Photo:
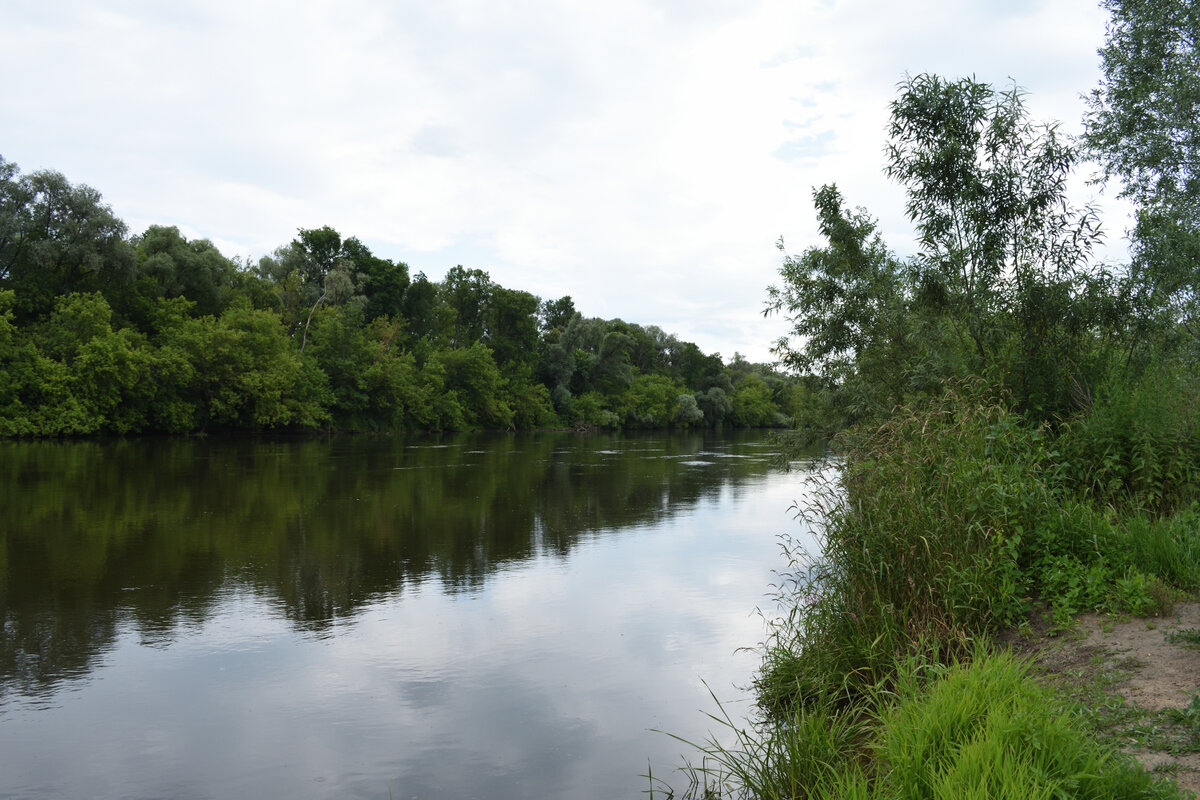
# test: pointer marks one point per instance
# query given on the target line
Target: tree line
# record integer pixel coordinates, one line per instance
(105, 332)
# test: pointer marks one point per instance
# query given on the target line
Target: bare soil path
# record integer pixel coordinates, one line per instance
(1138, 677)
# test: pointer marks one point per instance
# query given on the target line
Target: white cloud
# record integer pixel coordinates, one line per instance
(640, 156)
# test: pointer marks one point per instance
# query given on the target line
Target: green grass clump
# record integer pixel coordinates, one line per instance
(1167, 547)
(988, 730)
(1188, 717)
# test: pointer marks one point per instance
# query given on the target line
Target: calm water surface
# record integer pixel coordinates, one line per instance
(454, 617)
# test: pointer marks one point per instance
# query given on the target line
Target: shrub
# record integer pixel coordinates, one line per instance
(1139, 445)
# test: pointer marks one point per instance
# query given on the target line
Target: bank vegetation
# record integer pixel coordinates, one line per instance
(1019, 433)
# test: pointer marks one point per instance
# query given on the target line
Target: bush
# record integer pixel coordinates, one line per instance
(1139, 445)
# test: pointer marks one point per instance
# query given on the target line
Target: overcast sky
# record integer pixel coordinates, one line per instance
(642, 156)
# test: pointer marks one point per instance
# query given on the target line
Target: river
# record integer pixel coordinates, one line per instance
(470, 616)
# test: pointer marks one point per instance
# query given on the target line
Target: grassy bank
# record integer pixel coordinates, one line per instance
(951, 523)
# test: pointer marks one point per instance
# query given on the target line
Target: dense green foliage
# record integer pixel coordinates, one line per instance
(101, 332)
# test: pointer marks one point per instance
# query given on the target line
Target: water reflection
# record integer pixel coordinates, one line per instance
(498, 617)
(150, 531)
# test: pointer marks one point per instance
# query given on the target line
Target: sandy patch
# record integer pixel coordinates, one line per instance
(1149, 670)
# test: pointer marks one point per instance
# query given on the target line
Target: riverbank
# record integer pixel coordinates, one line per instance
(892, 672)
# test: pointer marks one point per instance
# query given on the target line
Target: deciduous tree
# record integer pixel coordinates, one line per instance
(1143, 128)
(57, 238)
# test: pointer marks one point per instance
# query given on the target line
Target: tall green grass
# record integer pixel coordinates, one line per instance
(921, 545)
(948, 521)
(810, 748)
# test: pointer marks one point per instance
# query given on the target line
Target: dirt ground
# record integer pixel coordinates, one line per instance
(1135, 659)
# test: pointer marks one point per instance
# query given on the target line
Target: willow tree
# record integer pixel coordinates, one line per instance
(56, 238)
(847, 303)
(1000, 280)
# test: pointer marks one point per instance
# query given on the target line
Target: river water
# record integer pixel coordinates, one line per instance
(476, 616)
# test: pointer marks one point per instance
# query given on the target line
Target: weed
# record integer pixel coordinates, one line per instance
(1188, 716)
(810, 749)
(1189, 637)
(1139, 447)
